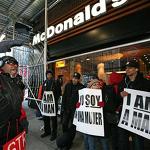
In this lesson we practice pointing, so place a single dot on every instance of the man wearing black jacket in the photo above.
(51, 85)
(11, 97)
(133, 80)
(69, 100)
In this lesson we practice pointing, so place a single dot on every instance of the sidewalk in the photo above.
(35, 142)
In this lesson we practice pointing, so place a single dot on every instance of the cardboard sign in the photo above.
(47, 105)
(17, 143)
(88, 117)
(135, 116)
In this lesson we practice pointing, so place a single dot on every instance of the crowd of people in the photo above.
(13, 118)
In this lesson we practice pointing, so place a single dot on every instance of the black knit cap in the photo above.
(133, 63)
(49, 71)
(9, 59)
(76, 75)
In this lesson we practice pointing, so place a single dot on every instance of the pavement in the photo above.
(35, 142)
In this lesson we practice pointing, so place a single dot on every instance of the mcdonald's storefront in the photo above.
(99, 33)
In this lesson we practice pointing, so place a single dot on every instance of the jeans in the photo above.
(105, 143)
(89, 142)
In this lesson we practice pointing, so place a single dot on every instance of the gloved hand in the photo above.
(101, 104)
(78, 104)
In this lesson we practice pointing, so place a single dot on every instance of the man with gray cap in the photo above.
(133, 80)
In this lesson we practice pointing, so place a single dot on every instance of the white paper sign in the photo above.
(135, 116)
(88, 117)
(47, 106)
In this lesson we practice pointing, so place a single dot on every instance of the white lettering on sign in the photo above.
(96, 10)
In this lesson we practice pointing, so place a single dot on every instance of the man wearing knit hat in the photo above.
(11, 97)
(50, 123)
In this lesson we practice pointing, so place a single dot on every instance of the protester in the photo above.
(51, 85)
(112, 106)
(133, 80)
(69, 100)
(89, 140)
(11, 97)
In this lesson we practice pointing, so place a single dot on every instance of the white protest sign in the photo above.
(47, 105)
(59, 105)
(88, 117)
(135, 116)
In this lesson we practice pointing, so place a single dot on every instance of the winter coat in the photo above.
(71, 96)
(140, 83)
(11, 97)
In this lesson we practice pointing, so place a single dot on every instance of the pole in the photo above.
(14, 22)
(45, 41)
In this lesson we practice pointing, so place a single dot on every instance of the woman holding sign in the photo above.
(133, 80)
(89, 140)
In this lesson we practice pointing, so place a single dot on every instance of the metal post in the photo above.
(14, 22)
(45, 41)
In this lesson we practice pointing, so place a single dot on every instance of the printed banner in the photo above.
(59, 105)
(88, 117)
(47, 105)
(135, 116)
(17, 143)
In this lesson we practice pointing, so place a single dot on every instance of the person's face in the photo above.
(12, 69)
(131, 71)
(75, 80)
(95, 85)
(49, 76)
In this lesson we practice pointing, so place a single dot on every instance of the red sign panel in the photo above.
(17, 143)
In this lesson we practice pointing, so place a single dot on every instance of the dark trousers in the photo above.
(66, 139)
(114, 136)
(67, 120)
(50, 125)
(123, 140)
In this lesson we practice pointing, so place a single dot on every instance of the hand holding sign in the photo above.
(101, 104)
(78, 104)
(123, 93)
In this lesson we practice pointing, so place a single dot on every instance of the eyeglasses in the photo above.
(11, 62)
